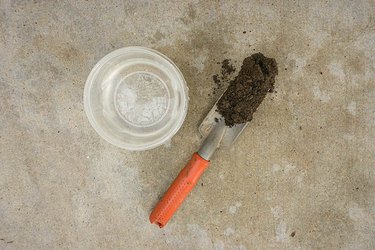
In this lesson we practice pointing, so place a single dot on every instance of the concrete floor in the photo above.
(301, 176)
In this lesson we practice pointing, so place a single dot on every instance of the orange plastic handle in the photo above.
(179, 190)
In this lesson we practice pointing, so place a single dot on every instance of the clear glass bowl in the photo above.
(136, 98)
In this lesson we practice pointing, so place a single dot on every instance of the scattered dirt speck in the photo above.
(216, 80)
(227, 68)
(227, 71)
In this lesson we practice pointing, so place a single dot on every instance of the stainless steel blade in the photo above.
(209, 122)
(213, 140)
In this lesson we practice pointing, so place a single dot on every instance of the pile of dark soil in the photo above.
(248, 89)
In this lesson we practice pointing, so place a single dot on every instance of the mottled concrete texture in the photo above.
(300, 177)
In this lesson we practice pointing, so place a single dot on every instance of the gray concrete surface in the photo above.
(304, 167)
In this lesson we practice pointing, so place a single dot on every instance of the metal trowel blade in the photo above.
(209, 122)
